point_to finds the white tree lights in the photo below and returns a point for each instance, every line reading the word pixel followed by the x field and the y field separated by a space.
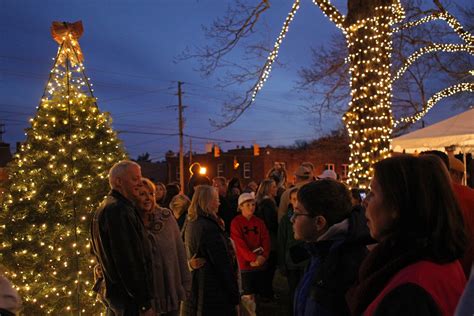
pixel 56 180
pixel 369 118
pixel 368 28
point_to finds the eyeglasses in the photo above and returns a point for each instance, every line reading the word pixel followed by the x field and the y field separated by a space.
pixel 368 197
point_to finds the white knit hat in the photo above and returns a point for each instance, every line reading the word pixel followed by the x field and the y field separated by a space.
pixel 244 197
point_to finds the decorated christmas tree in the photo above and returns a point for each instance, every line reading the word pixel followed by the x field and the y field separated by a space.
pixel 57 179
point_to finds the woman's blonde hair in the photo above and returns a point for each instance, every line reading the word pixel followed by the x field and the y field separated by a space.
pixel 147 183
pixel 179 204
pixel 163 187
pixel 202 197
pixel 264 189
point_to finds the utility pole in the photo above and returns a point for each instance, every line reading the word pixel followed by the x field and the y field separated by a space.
pixel 181 149
pixel 190 151
pixel 2 131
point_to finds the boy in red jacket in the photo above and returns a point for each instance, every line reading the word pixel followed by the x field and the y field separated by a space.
pixel 252 243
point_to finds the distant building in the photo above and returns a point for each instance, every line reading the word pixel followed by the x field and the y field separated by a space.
pixel 253 164
pixel 155 171
pixel 5 158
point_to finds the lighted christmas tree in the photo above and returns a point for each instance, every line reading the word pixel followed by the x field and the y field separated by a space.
pixel 57 180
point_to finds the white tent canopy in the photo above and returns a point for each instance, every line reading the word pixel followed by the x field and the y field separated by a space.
pixel 457 130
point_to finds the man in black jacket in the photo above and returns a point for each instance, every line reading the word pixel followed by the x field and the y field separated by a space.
pixel 225 211
pixel 120 245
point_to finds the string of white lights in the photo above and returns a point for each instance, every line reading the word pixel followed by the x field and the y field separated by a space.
pixel 461 87
pixel 451 20
pixel 331 13
pixel 274 53
pixel 450 48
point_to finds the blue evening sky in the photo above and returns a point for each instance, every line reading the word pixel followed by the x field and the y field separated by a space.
pixel 130 49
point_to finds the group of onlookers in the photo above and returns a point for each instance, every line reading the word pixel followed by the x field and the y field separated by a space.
pixel 399 251
pixel 215 252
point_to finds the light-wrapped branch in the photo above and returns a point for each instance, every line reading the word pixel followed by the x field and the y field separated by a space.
pixel 461 87
pixel 450 48
pixel 237 110
pixel 451 20
pixel 274 53
pixel 331 12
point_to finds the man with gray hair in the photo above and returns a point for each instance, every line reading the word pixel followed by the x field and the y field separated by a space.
pixel 120 245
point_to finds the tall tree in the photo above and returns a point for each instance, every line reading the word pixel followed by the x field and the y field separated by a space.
pixel 57 179
pixel 368 28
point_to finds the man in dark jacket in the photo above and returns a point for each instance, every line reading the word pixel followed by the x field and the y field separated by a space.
pixel 120 245
pixel 225 211
pixel 335 238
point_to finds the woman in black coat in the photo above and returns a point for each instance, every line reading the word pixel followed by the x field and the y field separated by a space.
pixel 267 210
pixel 215 289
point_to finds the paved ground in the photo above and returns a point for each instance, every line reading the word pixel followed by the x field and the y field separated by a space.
pixel 280 306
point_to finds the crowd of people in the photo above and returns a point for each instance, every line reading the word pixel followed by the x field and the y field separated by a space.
pixel 404 247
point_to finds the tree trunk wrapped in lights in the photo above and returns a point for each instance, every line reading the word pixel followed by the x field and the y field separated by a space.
pixel 57 179
pixel 369 118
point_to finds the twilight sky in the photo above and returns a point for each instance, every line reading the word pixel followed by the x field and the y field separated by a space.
pixel 130 49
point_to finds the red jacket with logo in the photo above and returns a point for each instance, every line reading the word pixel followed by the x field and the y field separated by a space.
pixel 249 235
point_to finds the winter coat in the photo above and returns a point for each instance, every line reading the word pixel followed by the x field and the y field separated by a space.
pixel 465 197
pixel 171 276
pixel 120 245
pixel 399 277
pixel 333 268
pixel 214 286
pixel 226 212
pixel 249 235
pixel 286 241
pixel 267 211
pixel 428 288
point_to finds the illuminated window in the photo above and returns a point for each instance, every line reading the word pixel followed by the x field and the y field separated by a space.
pixel 247 170
pixel 329 166
pixel 220 169
pixel 345 170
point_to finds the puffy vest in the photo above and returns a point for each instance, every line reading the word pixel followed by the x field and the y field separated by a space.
pixel 444 282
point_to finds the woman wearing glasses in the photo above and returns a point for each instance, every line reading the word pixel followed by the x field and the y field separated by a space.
pixel 335 238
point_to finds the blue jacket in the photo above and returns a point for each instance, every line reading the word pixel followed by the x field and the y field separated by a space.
pixel 334 264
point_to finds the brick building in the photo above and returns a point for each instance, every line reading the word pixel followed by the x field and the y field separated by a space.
pixel 249 164
pixel 5 158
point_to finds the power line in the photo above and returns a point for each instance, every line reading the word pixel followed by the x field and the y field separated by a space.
pixel 96 83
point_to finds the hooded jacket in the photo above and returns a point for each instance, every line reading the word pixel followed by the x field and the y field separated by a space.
pixel 334 264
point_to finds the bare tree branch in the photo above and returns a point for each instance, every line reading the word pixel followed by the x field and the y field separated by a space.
pixel 232 111
pixel 238 23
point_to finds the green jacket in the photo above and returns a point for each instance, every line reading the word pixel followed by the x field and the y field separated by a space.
pixel 286 241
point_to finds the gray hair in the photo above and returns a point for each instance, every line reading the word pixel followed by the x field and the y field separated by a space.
pixel 119 169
